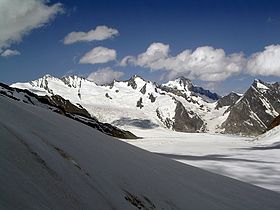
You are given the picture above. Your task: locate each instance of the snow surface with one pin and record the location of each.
(270, 139)
(238, 157)
(261, 86)
(49, 161)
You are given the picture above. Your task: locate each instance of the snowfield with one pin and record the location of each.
(256, 161)
(49, 161)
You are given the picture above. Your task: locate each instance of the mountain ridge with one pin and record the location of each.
(64, 107)
(140, 99)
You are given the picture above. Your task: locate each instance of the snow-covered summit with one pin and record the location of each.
(259, 84)
(181, 83)
(187, 87)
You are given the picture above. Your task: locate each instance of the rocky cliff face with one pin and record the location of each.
(253, 113)
(186, 121)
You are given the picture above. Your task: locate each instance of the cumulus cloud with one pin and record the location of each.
(126, 60)
(98, 34)
(265, 63)
(9, 53)
(104, 76)
(99, 55)
(18, 18)
(204, 63)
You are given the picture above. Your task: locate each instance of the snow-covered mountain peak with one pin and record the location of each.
(74, 81)
(259, 84)
(181, 83)
(42, 83)
(135, 82)
(185, 86)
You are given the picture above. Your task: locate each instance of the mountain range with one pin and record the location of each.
(177, 105)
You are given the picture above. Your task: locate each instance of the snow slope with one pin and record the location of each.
(49, 161)
(246, 159)
(270, 139)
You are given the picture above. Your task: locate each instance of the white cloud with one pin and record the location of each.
(9, 53)
(18, 18)
(126, 60)
(265, 63)
(99, 55)
(104, 76)
(150, 59)
(154, 53)
(204, 63)
(97, 34)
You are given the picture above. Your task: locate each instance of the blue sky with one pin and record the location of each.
(234, 26)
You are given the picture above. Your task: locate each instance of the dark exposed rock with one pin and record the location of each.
(255, 110)
(275, 122)
(64, 105)
(143, 89)
(152, 98)
(107, 96)
(183, 122)
(139, 103)
(227, 100)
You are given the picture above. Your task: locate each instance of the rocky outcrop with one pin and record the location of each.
(275, 122)
(185, 121)
(64, 106)
(152, 98)
(143, 89)
(140, 103)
